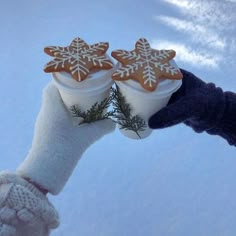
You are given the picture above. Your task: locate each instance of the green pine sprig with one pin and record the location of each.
(122, 113)
(95, 113)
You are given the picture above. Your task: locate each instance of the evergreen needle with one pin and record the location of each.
(122, 113)
(95, 113)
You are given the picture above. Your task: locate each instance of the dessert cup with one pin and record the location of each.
(144, 103)
(85, 94)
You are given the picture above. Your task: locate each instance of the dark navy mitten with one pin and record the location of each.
(202, 106)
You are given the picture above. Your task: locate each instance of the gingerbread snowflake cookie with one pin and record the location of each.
(145, 65)
(78, 59)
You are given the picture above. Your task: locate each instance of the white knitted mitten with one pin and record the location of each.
(58, 144)
(24, 210)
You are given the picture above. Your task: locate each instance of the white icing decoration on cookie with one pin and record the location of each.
(146, 59)
(76, 56)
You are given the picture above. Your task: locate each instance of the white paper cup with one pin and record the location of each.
(144, 103)
(86, 93)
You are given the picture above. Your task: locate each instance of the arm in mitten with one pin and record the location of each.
(56, 148)
(58, 144)
(202, 106)
(24, 210)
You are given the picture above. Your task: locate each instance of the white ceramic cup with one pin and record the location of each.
(86, 93)
(144, 103)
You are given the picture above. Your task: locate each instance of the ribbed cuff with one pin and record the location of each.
(226, 127)
(9, 178)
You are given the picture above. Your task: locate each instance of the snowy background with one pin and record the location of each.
(175, 182)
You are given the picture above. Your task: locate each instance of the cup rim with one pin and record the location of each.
(96, 84)
(164, 89)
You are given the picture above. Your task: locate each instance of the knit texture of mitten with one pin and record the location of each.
(226, 128)
(202, 106)
(24, 210)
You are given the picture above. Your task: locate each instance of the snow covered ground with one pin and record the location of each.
(166, 185)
